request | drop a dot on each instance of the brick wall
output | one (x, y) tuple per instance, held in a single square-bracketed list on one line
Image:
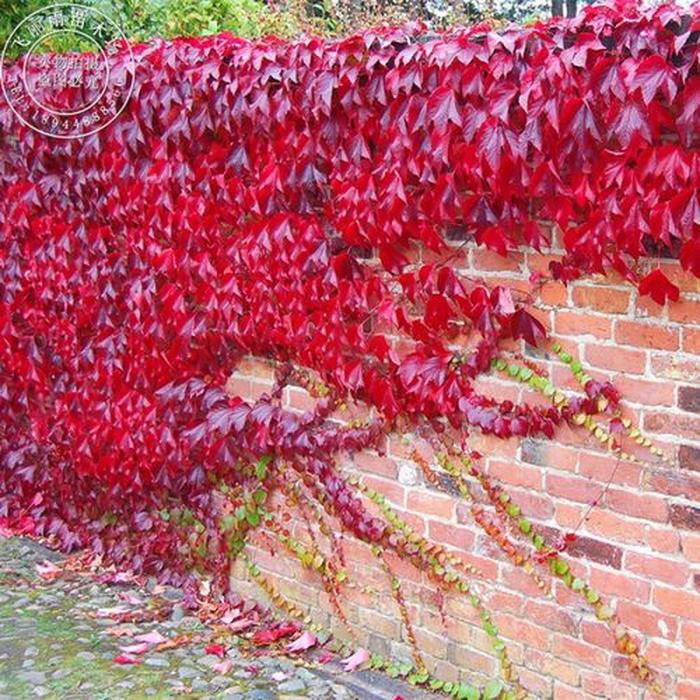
[(640, 547)]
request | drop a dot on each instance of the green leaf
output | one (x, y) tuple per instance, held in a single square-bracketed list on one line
[(525, 374), (468, 692), (513, 510), (490, 629), (492, 689), (376, 661), (436, 684), (253, 518), (591, 596), (560, 567), (405, 669), (227, 523), (577, 584), (259, 496), (448, 687), (525, 526)]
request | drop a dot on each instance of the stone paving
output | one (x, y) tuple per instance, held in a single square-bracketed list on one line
[(53, 646)]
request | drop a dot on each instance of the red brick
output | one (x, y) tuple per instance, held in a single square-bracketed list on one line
[(575, 650), (578, 324), (604, 468), (646, 335), (431, 504), (548, 454), (595, 550), (489, 260), (551, 616), (603, 685), (519, 629), (646, 392), (686, 517), (681, 661), (617, 359), (535, 683), (612, 526), (391, 489), (614, 301), (516, 474), (685, 311), (568, 516), (375, 464), (690, 634), (656, 568), (572, 487), (645, 307), (299, 399), (454, 535), (255, 367), (663, 540), (554, 667), (685, 690), (636, 504), (647, 621), (675, 367), (689, 398), (566, 692), (675, 602), (674, 483), (599, 634), (534, 505), (691, 340), (620, 584), (690, 546), (679, 425), (689, 457), (553, 294)]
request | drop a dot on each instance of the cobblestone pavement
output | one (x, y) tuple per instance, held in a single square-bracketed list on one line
[(52, 646)]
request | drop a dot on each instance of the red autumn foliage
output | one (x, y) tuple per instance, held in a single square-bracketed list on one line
[(231, 210)]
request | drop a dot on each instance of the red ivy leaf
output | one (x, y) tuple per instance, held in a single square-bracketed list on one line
[(658, 287), (442, 108), (690, 256), (524, 325)]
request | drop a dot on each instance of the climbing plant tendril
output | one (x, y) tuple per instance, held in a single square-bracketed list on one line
[(304, 203)]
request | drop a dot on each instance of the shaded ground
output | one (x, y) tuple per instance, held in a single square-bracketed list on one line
[(53, 646)]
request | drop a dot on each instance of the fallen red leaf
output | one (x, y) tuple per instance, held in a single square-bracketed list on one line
[(304, 642), (353, 662), (223, 667), (151, 638), (270, 636), (127, 659), (48, 571), (140, 648), (216, 649)]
